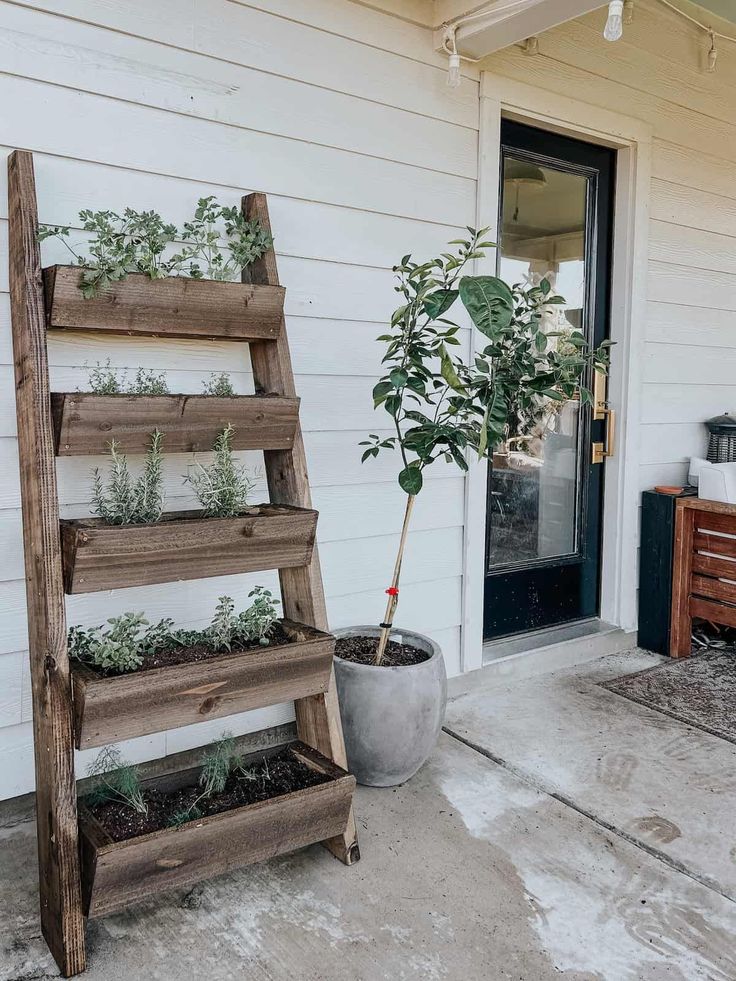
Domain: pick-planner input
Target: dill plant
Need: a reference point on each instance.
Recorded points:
(125, 501)
(116, 780)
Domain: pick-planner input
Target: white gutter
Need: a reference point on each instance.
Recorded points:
(506, 22)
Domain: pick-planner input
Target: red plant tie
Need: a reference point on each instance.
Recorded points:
(392, 591)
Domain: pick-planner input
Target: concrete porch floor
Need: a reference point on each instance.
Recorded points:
(559, 830)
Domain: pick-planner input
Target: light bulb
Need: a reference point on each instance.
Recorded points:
(615, 24)
(453, 71)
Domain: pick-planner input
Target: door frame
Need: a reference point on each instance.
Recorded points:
(632, 138)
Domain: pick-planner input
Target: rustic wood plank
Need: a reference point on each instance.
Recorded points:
(681, 622)
(714, 589)
(318, 716)
(184, 545)
(172, 307)
(715, 543)
(56, 804)
(708, 520)
(703, 506)
(84, 423)
(110, 709)
(129, 871)
(715, 612)
(707, 565)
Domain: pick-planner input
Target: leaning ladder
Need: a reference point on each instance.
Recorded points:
(317, 716)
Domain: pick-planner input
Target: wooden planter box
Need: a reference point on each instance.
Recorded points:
(84, 423)
(117, 874)
(172, 307)
(110, 709)
(184, 545)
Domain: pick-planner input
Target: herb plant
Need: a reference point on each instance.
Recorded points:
(217, 243)
(116, 780)
(219, 385)
(124, 501)
(440, 406)
(223, 486)
(118, 649)
(130, 639)
(220, 761)
(104, 380)
(148, 382)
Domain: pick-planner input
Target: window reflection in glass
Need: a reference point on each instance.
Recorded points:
(535, 498)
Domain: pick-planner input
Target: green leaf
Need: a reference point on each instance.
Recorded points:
(448, 371)
(398, 377)
(439, 302)
(410, 480)
(382, 389)
(489, 301)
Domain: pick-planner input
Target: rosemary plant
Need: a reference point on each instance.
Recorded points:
(124, 501)
(223, 486)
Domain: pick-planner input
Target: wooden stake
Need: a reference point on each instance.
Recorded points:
(56, 797)
(393, 595)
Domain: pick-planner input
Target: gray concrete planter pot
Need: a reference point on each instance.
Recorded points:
(391, 716)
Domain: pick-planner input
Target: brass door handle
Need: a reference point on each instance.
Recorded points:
(606, 449)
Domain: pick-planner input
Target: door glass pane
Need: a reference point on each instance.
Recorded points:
(535, 493)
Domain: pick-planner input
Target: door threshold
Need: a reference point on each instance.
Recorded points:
(539, 651)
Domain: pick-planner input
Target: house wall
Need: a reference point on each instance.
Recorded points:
(341, 114)
(655, 73)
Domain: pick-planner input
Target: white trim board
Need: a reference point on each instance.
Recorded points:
(502, 97)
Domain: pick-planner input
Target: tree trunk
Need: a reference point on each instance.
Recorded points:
(393, 591)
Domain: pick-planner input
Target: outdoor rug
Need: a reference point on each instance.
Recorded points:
(699, 690)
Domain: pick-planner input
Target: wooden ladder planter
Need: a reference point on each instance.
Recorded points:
(84, 423)
(184, 545)
(116, 874)
(82, 556)
(108, 709)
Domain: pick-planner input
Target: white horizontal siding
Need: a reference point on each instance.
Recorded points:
(656, 72)
(341, 114)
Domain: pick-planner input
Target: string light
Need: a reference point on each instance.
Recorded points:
(614, 24)
(621, 12)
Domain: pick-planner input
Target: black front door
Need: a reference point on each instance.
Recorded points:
(543, 528)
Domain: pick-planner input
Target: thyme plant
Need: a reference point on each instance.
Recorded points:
(116, 780)
(123, 500)
(223, 486)
(443, 407)
(219, 384)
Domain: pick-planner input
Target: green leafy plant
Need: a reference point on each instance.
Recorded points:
(148, 382)
(223, 486)
(104, 380)
(124, 501)
(255, 623)
(207, 255)
(220, 761)
(219, 384)
(130, 639)
(117, 649)
(116, 780)
(442, 407)
(217, 243)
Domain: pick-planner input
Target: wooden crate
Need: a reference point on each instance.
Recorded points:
(704, 569)
(173, 307)
(116, 874)
(184, 545)
(85, 424)
(110, 709)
